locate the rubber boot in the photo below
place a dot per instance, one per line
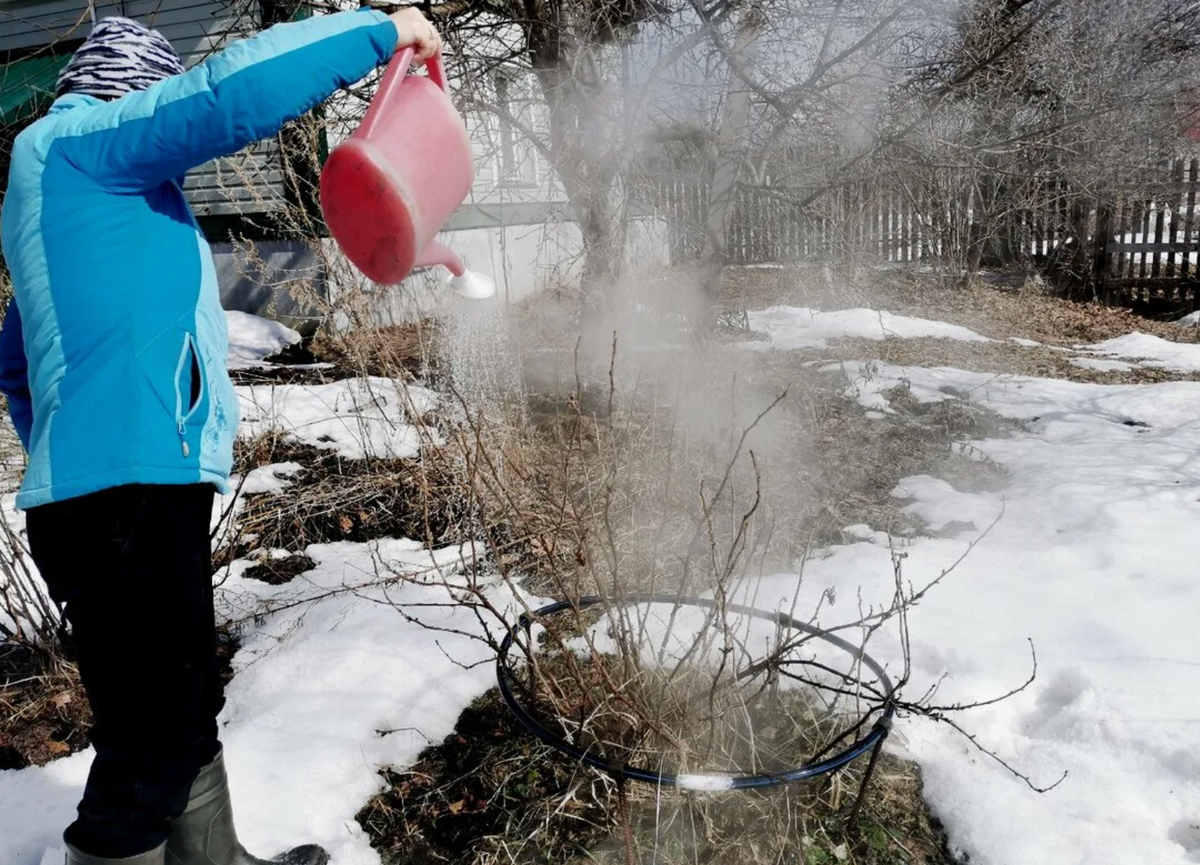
(204, 833)
(150, 857)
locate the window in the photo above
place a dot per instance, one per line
(516, 157)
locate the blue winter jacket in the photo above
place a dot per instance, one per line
(113, 353)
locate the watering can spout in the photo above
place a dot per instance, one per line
(465, 282)
(438, 253)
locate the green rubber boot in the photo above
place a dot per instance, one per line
(150, 857)
(204, 833)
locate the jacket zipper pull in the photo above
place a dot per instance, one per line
(183, 440)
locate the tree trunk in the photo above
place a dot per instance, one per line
(580, 100)
(731, 144)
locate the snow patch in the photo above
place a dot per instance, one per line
(252, 339)
(792, 327)
(270, 479)
(1150, 351)
(1102, 365)
(358, 418)
(936, 503)
(1093, 559)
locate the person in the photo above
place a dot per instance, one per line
(112, 356)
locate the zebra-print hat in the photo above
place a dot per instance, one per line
(119, 57)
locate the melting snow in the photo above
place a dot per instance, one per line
(792, 327)
(359, 418)
(1151, 351)
(253, 339)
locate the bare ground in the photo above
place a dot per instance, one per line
(1001, 312)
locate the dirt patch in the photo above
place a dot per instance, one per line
(481, 791)
(841, 464)
(338, 499)
(598, 481)
(407, 351)
(1029, 313)
(279, 375)
(280, 571)
(44, 712)
(490, 792)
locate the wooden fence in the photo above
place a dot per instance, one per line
(777, 225)
(1141, 247)
(1146, 242)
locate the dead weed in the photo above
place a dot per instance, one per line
(490, 792)
(334, 498)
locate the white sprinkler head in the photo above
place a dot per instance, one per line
(474, 285)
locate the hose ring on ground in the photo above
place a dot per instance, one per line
(702, 781)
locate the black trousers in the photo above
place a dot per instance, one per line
(132, 566)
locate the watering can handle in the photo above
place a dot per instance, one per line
(389, 86)
(437, 72)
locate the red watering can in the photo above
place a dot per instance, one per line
(390, 187)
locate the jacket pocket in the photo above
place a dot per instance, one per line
(189, 388)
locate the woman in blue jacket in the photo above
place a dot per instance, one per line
(112, 357)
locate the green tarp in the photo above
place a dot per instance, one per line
(27, 87)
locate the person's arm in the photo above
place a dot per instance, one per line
(241, 95)
(14, 374)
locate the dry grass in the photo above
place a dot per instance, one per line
(639, 458)
(602, 485)
(1002, 314)
(491, 793)
(1028, 312)
(1001, 311)
(338, 499)
(411, 349)
(1001, 358)
(43, 711)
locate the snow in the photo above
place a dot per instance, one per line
(1192, 319)
(358, 418)
(1093, 559)
(792, 327)
(938, 504)
(326, 693)
(1102, 365)
(253, 339)
(1089, 552)
(268, 479)
(1151, 351)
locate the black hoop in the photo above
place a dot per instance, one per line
(708, 781)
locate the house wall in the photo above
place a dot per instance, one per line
(246, 183)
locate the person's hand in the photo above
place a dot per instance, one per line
(416, 32)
